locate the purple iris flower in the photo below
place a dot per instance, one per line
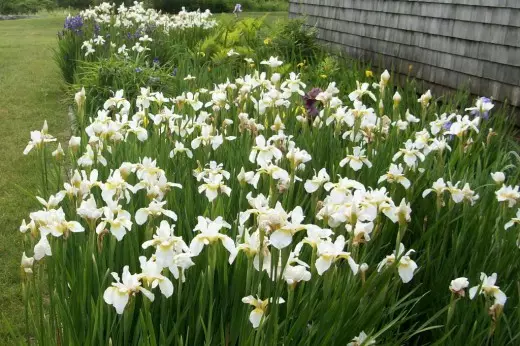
(311, 102)
(174, 73)
(138, 69)
(486, 100)
(484, 104)
(156, 61)
(447, 127)
(74, 23)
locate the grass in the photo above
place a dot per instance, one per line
(31, 93)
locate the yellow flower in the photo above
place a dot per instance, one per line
(323, 76)
(369, 74)
(209, 69)
(302, 64)
(267, 41)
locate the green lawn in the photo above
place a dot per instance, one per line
(30, 92)
(271, 18)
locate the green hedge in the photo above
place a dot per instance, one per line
(33, 6)
(173, 6)
(217, 6)
(25, 6)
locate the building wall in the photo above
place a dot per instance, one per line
(448, 43)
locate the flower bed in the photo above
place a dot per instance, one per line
(259, 208)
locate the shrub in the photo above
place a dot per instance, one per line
(295, 41)
(80, 4)
(24, 6)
